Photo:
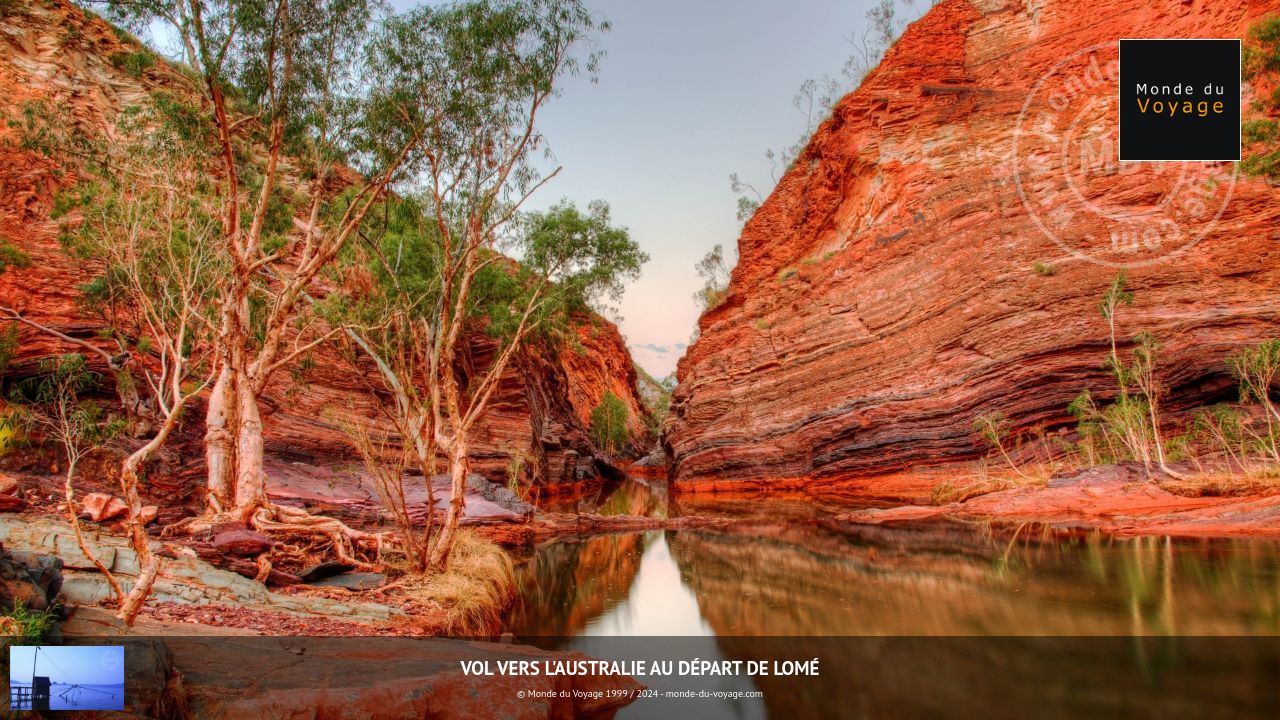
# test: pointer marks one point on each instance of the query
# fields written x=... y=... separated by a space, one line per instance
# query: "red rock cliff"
x=924 y=261
x=53 y=52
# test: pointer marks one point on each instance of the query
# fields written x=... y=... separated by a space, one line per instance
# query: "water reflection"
x=799 y=580
x=628 y=496
x=897 y=584
x=790 y=572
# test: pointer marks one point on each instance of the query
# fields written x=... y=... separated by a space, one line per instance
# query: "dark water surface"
x=788 y=583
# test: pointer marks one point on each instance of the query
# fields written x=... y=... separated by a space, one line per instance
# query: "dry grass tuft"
x=984 y=482
x=1260 y=480
x=472 y=594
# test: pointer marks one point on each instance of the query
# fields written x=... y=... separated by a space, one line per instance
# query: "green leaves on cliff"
x=609 y=424
x=1262 y=62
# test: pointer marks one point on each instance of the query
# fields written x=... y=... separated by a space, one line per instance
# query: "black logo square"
x=1180 y=100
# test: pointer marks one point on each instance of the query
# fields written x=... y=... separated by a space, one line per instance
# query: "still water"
x=763 y=587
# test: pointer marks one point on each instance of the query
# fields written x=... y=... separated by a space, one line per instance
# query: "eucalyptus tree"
x=55 y=402
x=569 y=260
x=152 y=238
x=283 y=84
x=144 y=227
x=478 y=74
x=442 y=100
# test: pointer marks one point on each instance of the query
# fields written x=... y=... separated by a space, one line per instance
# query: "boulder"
x=29 y=579
x=101 y=507
x=8 y=485
x=11 y=503
x=249 y=569
x=242 y=543
x=499 y=495
x=149 y=514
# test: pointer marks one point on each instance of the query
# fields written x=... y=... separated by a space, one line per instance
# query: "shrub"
x=12 y=256
x=1257 y=369
x=1043 y=269
x=20 y=622
x=994 y=429
x=609 y=424
x=133 y=64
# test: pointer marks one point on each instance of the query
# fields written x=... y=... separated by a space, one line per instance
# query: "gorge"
x=980 y=407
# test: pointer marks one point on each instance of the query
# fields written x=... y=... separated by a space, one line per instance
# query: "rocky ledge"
x=1120 y=500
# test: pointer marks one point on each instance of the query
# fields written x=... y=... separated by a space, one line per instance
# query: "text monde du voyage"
x=635 y=668
x=1180 y=99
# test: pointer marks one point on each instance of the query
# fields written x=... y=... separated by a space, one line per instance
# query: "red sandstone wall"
x=885 y=293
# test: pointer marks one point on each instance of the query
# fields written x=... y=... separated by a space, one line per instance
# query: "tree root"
x=264 y=568
x=345 y=539
x=283 y=520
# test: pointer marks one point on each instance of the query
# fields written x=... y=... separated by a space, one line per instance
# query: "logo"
x=1078 y=192
x=1180 y=100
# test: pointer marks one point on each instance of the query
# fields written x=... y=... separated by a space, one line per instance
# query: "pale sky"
x=689 y=92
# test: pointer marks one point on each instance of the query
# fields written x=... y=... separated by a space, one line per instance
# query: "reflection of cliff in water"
x=624 y=496
x=568 y=583
x=801 y=586
x=954 y=580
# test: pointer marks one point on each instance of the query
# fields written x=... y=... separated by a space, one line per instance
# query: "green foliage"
x=12 y=256
x=1129 y=427
x=571 y=260
x=1262 y=49
x=28 y=625
x=517 y=473
x=1221 y=428
x=1115 y=296
x=8 y=346
x=135 y=63
x=714 y=272
x=1262 y=57
x=184 y=121
x=993 y=427
x=1260 y=130
x=1044 y=269
x=585 y=257
x=609 y=423
x=66 y=374
x=55 y=400
x=1257 y=369
x=656 y=395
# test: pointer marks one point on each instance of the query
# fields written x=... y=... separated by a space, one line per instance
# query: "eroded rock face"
x=30 y=580
x=896 y=285
x=52 y=53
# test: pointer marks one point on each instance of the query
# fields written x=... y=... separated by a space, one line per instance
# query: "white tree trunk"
x=220 y=442
x=459 y=468
x=251 y=488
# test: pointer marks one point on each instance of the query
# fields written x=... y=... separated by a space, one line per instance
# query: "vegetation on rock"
x=609 y=423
